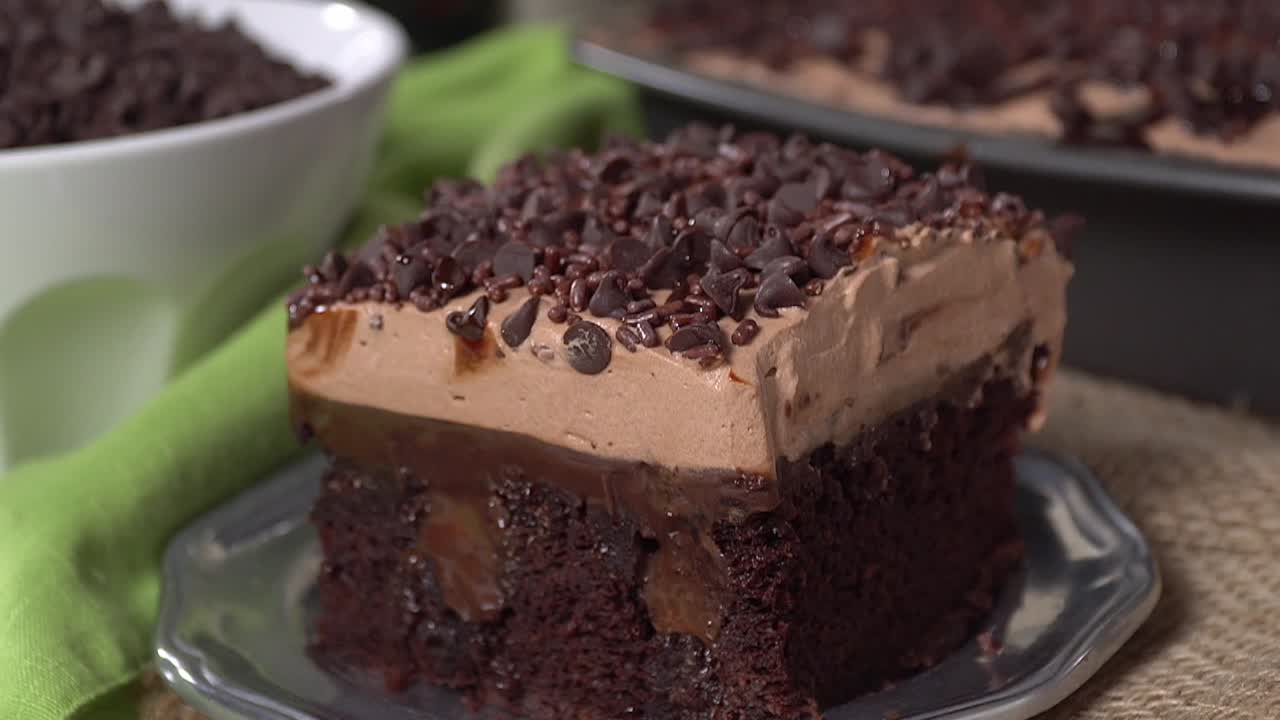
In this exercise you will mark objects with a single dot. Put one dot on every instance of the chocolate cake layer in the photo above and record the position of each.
(876, 560)
(462, 533)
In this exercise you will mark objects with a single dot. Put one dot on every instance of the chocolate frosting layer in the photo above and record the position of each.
(880, 337)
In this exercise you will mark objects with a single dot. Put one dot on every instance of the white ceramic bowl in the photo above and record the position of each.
(122, 260)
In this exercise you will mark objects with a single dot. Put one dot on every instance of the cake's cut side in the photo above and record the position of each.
(715, 428)
(878, 561)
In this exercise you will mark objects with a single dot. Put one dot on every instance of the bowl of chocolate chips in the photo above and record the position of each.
(164, 167)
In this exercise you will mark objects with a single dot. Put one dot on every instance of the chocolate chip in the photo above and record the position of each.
(745, 332)
(514, 257)
(691, 336)
(871, 179)
(825, 259)
(596, 234)
(612, 167)
(800, 197)
(448, 277)
(333, 266)
(664, 269)
(558, 313)
(648, 204)
(790, 265)
(723, 225)
(745, 233)
(357, 275)
(660, 233)
(722, 258)
(783, 215)
(627, 254)
(723, 288)
(588, 347)
(517, 326)
(777, 291)
(469, 324)
(472, 252)
(609, 299)
(775, 246)
(537, 203)
(408, 273)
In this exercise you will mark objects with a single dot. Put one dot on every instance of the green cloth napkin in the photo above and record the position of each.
(81, 536)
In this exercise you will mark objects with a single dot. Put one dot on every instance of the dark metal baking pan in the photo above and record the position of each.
(1128, 167)
(1178, 269)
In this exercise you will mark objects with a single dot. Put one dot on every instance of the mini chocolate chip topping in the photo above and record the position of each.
(515, 257)
(518, 325)
(1215, 65)
(76, 70)
(588, 347)
(610, 299)
(470, 325)
(778, 291)
(663, 237)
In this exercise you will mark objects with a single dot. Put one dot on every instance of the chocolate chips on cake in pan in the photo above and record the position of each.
(1215, 65)
(74, 70)
(668, 238)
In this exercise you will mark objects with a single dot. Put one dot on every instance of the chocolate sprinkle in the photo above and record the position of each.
(745, 332)
(629, 338)
(588, 347)
(693, 254)
(470, 325)
(517, 326)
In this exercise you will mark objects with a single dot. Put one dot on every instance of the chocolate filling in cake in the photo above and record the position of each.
(770, 472)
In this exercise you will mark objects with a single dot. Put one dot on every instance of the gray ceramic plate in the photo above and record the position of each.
(233, 623)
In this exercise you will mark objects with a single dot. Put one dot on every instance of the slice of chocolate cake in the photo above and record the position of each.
(719, 427)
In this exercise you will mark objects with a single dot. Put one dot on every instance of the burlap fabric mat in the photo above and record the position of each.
(1204, 485)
